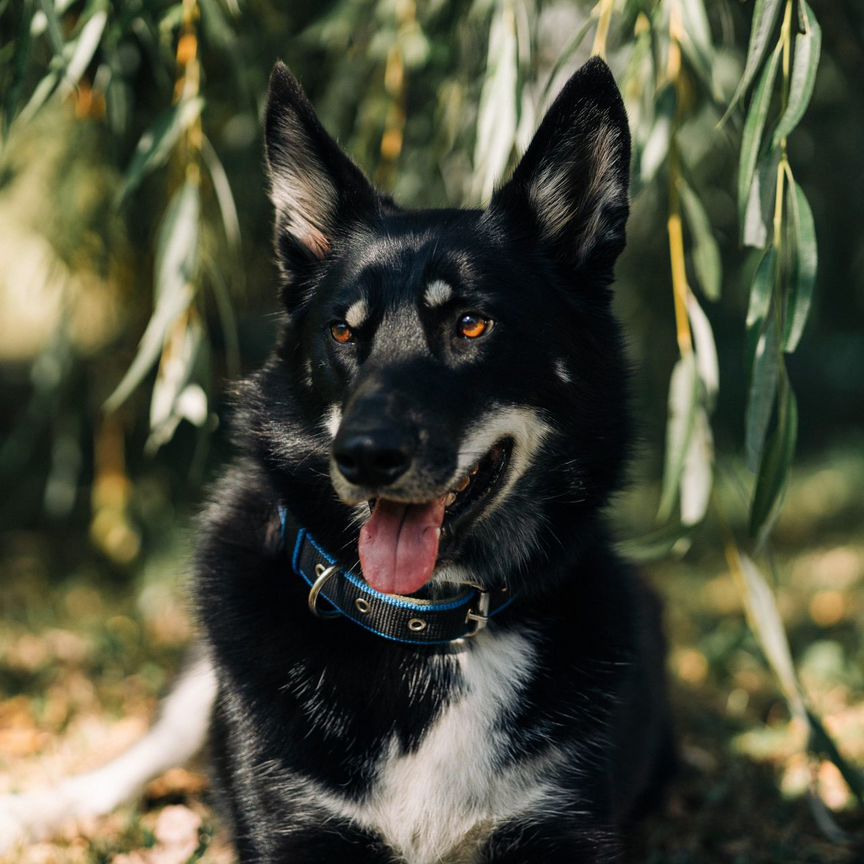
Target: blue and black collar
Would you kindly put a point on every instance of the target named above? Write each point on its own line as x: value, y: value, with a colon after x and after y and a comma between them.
x: 335, y: 592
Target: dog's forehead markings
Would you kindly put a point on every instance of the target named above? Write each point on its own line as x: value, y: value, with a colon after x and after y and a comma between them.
x: 357, y: 313
x: 437, y: 293
x: 562, y: 372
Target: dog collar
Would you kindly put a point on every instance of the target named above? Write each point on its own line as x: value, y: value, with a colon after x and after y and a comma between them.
x: 335, y: 592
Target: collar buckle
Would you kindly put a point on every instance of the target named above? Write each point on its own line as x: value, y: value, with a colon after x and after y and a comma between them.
x: 480, y: 615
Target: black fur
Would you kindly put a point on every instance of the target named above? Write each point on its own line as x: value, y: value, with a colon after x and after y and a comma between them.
x: 309, y: 710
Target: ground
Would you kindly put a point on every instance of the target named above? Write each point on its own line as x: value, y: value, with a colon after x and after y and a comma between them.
x: 86, y: 650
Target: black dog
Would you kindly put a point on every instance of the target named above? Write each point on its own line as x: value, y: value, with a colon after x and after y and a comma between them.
x: 446, y: 414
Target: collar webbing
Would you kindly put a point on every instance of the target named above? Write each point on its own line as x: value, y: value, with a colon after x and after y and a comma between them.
x: 335, y: 592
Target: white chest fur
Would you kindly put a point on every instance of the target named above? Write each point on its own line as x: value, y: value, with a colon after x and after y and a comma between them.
x: 455, y: 786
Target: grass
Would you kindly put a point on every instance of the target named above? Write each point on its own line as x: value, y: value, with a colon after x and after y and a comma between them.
x: 85, y: 652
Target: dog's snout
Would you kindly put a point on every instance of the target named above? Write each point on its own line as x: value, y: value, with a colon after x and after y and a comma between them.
x: 373, y: 458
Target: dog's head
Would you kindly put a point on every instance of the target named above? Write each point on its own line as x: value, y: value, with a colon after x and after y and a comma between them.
x: 447, y: 398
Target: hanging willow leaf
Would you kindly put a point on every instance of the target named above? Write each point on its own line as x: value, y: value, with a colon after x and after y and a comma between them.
x: 806, y: 259
x: 804, y: 65
x: 82, y: 51
x: 176, y: 264
x: 224, y: 196
x: 763, y: 388
x: 765, y: 14
x: 55, y: 29
x: 157, y: 142
x: 754, y: 126
x: 767, y: 625
x: 698, y: 471
x: 706, y: 350
x: 496, y: 118
x: 696, y: 42
x: 775, y: 465
x: 656, y: 146
x: 706, y: 254
x: 683, y: 404
x: 657, y: 544
x: 762, y: 287
x: 175, y: 371
x: 760, y: 204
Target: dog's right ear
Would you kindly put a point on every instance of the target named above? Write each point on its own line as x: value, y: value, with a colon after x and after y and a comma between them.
x: 318, y: 192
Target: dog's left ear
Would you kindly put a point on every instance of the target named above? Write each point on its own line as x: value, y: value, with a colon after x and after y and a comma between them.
x: 318, y: 192
x: 571, y: 187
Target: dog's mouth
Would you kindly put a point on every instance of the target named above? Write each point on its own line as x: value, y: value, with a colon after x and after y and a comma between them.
x: 400, y: 541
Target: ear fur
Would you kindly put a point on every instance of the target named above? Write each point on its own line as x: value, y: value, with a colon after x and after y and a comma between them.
x: 572, y: 182
x: 316, y: 189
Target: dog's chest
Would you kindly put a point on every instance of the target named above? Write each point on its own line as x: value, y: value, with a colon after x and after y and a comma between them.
x: 440, y: 801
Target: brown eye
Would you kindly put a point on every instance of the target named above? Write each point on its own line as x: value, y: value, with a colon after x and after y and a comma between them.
x: 473, y: 326
x: 341, y: 332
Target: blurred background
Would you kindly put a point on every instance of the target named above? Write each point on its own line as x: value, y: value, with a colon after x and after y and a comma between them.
x: 137, y: 280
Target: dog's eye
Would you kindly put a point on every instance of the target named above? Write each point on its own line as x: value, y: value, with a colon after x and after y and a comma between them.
x: 341, y: 332
x: 472, y: 326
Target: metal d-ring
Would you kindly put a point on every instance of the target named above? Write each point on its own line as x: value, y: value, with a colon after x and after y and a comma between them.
x: 323, y: 575
x: 480, y: 615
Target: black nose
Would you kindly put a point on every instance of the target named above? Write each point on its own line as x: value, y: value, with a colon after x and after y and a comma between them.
x: 375, y: 458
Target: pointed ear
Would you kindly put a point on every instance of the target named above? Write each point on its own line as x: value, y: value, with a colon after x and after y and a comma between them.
x: 571, y: 187
x: 316, y: 189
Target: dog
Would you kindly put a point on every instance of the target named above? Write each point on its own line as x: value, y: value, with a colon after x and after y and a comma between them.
x: 419, y: 643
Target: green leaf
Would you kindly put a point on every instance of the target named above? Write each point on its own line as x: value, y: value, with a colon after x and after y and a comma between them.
x: 763, y: 388
x: 706, y: 350
x: 754, y: 125
x: 55, y: 29
x: 170, y: 400
x: 762, y: 287
x: 698, y: 471
x: 496, y: 117
x: 804, y: 65
x: 41, y: 94
x: 157, y: 142
x: 696, y: 41
x: 657, y: 143
x: 83, y: 50
x: 175, y: 273
x: 706, y: 254
x: 806, y: 260
x: 759, y: 214
x: 683, y: 404
x: 767, y: 626
x: 658, y: 544
x: 765, y: 14
x: 775, y: 466
x: 224, y: 196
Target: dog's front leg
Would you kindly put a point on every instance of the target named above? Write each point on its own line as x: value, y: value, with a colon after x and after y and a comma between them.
x: 553, y: 841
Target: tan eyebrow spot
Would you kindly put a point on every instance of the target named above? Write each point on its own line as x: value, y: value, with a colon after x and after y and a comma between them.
x: 357, y: 313
x: 437, y: 293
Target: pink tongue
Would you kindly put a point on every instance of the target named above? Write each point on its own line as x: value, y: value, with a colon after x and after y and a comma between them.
x: 399, y: 545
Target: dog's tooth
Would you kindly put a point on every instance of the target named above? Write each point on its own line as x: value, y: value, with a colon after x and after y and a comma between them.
x: 450, y: 499
x: 472, y: 472
x: 464, y: 484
